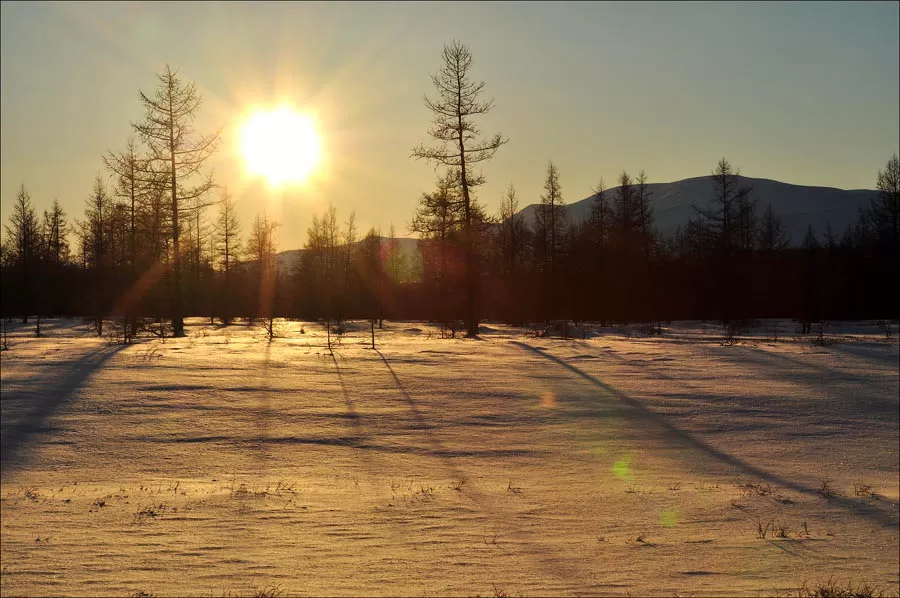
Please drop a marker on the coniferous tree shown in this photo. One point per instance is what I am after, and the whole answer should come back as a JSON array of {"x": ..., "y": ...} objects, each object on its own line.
[
  {"x": 55, "y": 233},
  {"x": 23, "y": 250},
  {"x": 721, "y": 221},
  {"x": 228, "y": 251},
  {"x": 371, "y": 273},
  {"x": 176, "y": 157},
  {"x": 600, "y": 223},
  {"x": 96, "y": 233},
  {"x": 438, "y": 220},
  {"x": 650, "y": 304},
  {"x": 511, "y": 248},
  {"x": 131, "y": 184},
  {"x": 460, "y": 149},
  {"x": 550, "y": 226},
  {"x": 885, "y": 210},
  {"x": 771, "y": 236},
  {"x": 261, "y": 246}
]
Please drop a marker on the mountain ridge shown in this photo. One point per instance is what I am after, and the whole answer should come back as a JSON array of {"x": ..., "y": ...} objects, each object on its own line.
[{"x": 799, "y": 206}]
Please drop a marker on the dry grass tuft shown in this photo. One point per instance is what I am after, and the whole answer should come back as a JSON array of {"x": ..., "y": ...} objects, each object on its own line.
[
  {"x": 832, "y": 589},
  {"x": 751, "y": 489},
  {"x": 826, "y": 490}
]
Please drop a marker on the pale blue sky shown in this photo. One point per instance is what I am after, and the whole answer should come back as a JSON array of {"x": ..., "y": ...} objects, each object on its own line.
[{"x": 804, "y": 92}]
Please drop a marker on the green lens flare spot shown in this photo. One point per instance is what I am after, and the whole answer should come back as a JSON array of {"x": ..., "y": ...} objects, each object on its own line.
[
  {"x": 622, "y": 469},
  {"x": 668, "y": 518}
]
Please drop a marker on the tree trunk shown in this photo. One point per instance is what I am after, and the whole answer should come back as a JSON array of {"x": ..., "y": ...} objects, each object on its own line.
[{"x": 177, "y": 317}]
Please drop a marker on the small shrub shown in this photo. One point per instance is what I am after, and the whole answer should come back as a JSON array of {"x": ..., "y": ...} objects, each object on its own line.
[
  {"x": 751, "y": 489},
  {"x": 832, "y": 589},
  {"x": 244, "y": 491},
  {"x": 268, "y": 592},
  {"x": 640, "y": 540},
  {"x": 826, "y": 490},
  {"x": 731, "y": 331},
  {"x": 861, "y": 489},
  {"x": 150, "y": 512}
]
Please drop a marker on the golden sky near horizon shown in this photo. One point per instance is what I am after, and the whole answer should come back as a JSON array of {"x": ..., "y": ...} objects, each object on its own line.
[{"x": 804, "y": 93}]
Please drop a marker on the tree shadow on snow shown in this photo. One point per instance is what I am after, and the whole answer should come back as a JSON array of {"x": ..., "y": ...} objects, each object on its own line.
[
  {"x": 43, "y": 402},
  {"x": 882, "y": 517}
]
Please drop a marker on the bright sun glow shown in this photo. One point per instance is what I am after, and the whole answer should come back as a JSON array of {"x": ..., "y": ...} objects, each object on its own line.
[{"x": 281, "y": 145}]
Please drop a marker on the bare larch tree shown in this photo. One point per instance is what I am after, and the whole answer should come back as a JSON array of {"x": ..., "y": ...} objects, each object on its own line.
[
  {"x": 130, "y": 185},
  {"x": 459, "y": 146},
  {"x": 176, "y": 151},
  {"x": 23, "y": 247}
]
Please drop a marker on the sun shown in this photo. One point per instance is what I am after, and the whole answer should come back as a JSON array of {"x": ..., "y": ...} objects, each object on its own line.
[{"x": 281, "y": 145}]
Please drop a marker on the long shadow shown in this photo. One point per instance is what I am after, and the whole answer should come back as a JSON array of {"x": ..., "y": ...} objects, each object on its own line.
[
  {"x": 437, "y": 448},
  {"x": 880, "y": 353},
  {"x": 561, "y": 568},
  {"x": 408, "y": 399},
  {"x": 264, "y": 409},
  {"x": 820, "y": 371},
  {"x": 824, "y": 378},
  {"x": 45, "y": 402},
  {"x": 878, "y": 516},
  {"x": 352, "y": 415},
  {"x": 353, "y": 442}
]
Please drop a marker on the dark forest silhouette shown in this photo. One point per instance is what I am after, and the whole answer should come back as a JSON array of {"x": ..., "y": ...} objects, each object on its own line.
[{"x": 145, "y": 257}]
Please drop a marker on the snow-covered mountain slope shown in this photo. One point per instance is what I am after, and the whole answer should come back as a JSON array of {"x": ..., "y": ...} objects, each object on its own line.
[{"x": 798, "y": 206}]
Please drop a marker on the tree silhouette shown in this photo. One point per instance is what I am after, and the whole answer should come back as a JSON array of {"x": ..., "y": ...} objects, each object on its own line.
[
  {"x": 459, "y": 148},
  {"x": 598, "y": 238},
  {"x": 23, "y": 249},
  {"x": 176, "y": 155},
  {"x": 55, "y": 232},
  {"x": 550, "y": 224},
  {"x": 228, "y": 250},
  {"x": 438, "y": 220},
  {"x": 261, "y": 246},
  {"x": 885, "y": 209},
  {"x": 130, "y": 185},
  {"x": 722, "y": 223},
  {"x": 97, "y": 244}
]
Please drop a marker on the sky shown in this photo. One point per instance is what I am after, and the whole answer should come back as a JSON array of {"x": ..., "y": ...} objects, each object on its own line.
[{"x": 800, "y": 92}]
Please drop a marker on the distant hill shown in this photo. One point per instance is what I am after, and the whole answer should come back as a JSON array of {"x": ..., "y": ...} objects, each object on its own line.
[{"x": 798, "y": 206}]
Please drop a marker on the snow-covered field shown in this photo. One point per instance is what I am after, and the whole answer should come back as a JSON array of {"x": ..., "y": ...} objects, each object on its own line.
[{"x": 617, "y": 464}]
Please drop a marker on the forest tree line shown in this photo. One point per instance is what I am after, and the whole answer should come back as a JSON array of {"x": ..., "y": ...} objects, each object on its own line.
[
  {"x": 159, "y": 240},
  {"x": 732, "y": 261}
]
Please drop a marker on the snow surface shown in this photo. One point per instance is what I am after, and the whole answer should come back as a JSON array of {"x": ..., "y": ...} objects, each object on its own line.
[{"x": 617, "y": 464}]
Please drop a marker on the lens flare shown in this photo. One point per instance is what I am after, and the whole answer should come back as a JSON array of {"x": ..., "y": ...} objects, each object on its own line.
[
  {"x": 668, "y": 518},
  {"x": 622, "y": 469}
]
